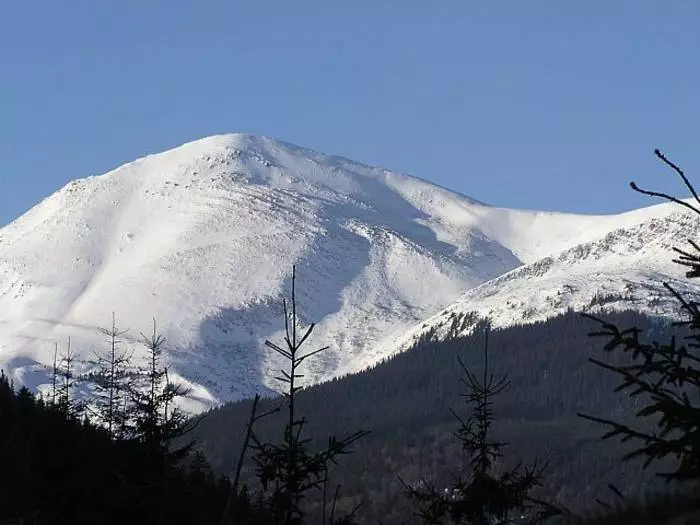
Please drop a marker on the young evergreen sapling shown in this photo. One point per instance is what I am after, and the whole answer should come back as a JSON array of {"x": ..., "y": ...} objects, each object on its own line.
[{"x": 289, "y": 470}]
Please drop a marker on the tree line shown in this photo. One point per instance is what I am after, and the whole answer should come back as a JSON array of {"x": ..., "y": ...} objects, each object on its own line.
[{"x": 119, "y": 457}]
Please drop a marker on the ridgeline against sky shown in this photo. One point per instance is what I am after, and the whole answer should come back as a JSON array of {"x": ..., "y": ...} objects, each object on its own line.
[
  {"x": 203, "y": 238},
  {"x": 527, "y": 105}
]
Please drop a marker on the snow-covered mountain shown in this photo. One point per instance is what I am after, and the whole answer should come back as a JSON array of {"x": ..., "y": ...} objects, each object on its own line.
[
  {"x": 203, "y": 238},
  {"x": 623, "y": 269}
]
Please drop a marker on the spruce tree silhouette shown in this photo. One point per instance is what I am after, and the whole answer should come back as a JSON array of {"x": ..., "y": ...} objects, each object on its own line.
[
  {"x": 484, "y": 497},
  {"x": 111, "y": 381},
  {"x": 289, "y": 470},
  {"x": 663, "y": 376}
]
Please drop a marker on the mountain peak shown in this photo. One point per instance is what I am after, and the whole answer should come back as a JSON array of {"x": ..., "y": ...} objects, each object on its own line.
[{"x": 203, "y": 238}]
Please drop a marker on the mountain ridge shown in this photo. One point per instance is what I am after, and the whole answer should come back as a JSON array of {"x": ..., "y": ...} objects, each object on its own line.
[
  {"x": 630, "y": 265},
  {"x": 203, "y": 238}
]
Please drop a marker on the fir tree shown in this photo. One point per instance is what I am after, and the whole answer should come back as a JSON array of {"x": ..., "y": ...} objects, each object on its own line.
[
  {"x": 56, "y": 469},
  {"x": 288, "y": 471},
  {"x": 110, "y": 381},
  {"x": 67, "y": 382},
  {"x": 54, "y": 376},
  {"x": 237, "y": 502},
  {"x": 665, "y": 377},
  {"x": 484, "y": 497},
  {"x": 155, "y": 418},
  {"x": 155, "y": 422}
]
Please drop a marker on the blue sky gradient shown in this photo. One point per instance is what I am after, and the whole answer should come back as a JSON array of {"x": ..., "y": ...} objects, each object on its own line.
[{"x": 538, "y": 104}]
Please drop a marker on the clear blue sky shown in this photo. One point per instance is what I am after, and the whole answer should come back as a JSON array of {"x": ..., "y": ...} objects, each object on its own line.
[{"x": 531, "y": 104}]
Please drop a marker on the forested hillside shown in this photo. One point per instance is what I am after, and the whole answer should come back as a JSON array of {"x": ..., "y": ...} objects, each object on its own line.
[
  {"x": 58, "y": 468},
  {"x": 406, "y": 400}
]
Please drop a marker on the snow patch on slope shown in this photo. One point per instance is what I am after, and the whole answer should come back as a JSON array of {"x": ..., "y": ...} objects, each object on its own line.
[{"x": 624, "y": 269}]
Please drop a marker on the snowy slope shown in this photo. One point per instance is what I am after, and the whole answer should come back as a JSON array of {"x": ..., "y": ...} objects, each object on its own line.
[
  {"x": 203, "y": 238},
  {"x": 623, "y": 269}
]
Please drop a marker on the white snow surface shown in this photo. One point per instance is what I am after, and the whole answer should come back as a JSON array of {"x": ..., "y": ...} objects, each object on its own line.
[
  {"x": 203, "y": 238},
  {"x": 625, "y": 269}
]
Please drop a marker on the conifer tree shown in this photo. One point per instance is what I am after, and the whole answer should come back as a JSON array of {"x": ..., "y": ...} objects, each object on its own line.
[
  {"x": 665, "y": 377},
  {"x": 155, "y": 422},
  {"x": 56, "y": 469},
  {"x": 110, "y": 383},
  {"x": 54, "y": 376},
  {"x": 66, "y": 373},
  {"x": 483, "y": 496},
  {"x": 289, "y": 470},
  {"x": 237, "y": 502},
  {"x": 155, "y": 418}
]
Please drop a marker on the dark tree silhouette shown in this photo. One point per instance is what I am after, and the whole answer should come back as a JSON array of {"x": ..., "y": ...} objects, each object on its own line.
[
  {"x": 54, "y": 376},
  {"x": 110, "y": 381},
  {"x": 289, "y": 470},
  {"x": 237, "y": 493},
  {"x": 155, "y": 418},
  {"x": 485, "y": 496},
  {"x": 403, "y": 401},
  {"x": 663, "y": 376},
  {"x": 59, "y": 469},
  {"x": 67, "y": 382}
]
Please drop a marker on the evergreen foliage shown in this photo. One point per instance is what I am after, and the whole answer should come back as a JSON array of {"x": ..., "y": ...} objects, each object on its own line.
[
  {"x": 406, "y": 400},
  {"x": 111, "y": 382},
  {"x": 665, "y": 377},
  {"x": 154, "y": 418},
  {"x": 484, "y": 496},
  {"x": 66, "y": 382},
  {"x": 237, "y": 502},
  {"x": 130, "y": 463},
  {"x": 289, "y": 470},
  {"x": 680, "y": 507},
  {"x": 59, "y": 469}
]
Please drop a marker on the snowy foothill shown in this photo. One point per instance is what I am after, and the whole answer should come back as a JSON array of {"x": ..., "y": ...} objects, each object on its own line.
[{"x": 203, "y": 238}]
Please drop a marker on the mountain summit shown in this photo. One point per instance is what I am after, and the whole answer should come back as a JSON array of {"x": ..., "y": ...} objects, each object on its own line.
[{"x": 203, "y": 238}]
